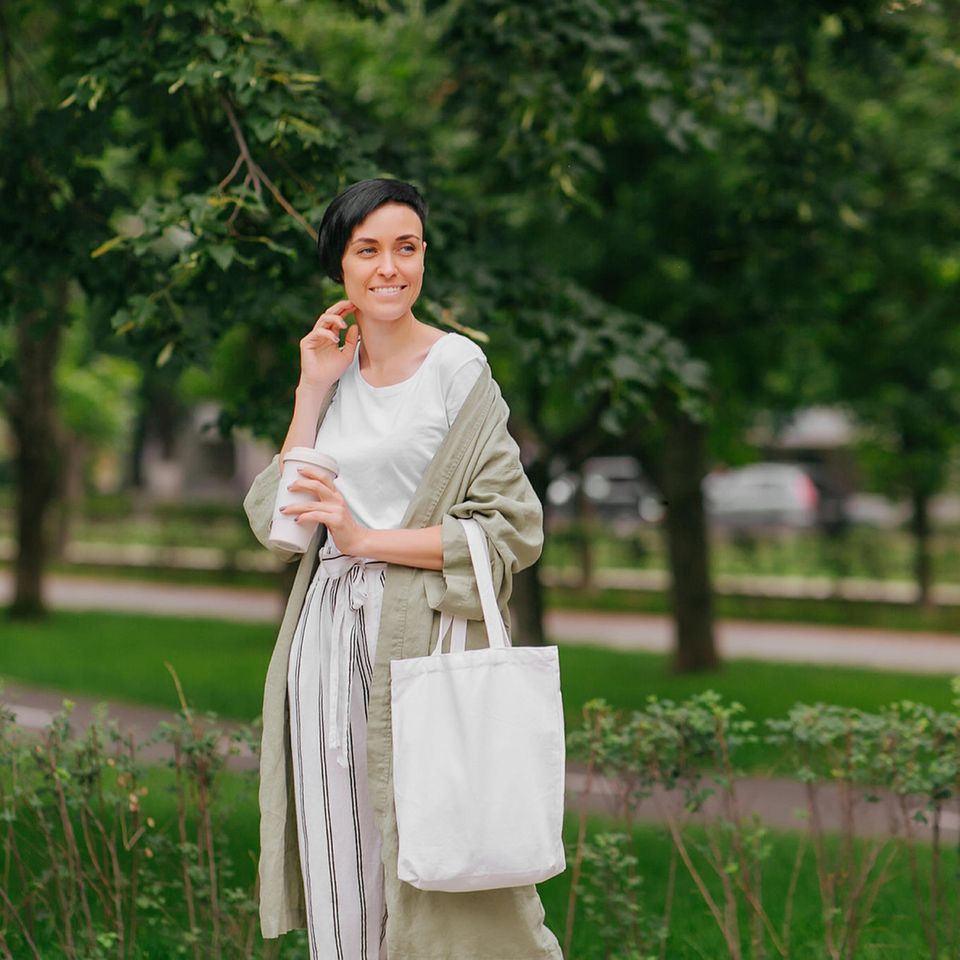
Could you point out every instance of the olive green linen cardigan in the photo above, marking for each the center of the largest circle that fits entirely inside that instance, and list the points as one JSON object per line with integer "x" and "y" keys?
{"x": 475, "y": 473}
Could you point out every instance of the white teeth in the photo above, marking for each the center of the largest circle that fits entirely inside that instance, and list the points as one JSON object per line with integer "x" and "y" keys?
{"x": 386, "y": 289}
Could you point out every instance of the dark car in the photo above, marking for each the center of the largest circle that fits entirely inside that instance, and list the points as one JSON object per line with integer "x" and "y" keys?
{"x": 615, "y": 489}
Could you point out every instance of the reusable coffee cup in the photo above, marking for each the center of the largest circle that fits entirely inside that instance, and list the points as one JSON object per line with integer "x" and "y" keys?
{"x": 285, "y": 532}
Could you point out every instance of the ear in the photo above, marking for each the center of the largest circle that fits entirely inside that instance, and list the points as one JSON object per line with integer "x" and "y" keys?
{"x": 424, "y": 247}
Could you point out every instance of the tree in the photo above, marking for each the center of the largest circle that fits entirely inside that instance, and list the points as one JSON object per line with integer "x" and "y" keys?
{"x": 201, "y": 117}
{"x": 184, "y": 251}
{"x": 892, "y": 342}
{"x": 708, "y": 165}
{"x": 52, "y": 204}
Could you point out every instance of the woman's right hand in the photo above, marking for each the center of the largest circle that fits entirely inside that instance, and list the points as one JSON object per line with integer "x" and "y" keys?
{"x": 322, "y": 360}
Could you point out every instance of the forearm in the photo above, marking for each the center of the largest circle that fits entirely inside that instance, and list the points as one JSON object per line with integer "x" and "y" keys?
{"x": 303, "y": 425}
{"x": 421, "y": 548}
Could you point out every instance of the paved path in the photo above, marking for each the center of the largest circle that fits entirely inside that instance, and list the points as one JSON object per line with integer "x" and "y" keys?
{"x": 776, "y": 801}
{"x": 800, "y": 643}
{"x": 902, "y": 650}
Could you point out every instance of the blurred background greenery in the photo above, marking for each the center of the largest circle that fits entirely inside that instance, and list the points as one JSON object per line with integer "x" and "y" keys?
{"x": 690, "y": 238}
{"x": 710, "y": 250}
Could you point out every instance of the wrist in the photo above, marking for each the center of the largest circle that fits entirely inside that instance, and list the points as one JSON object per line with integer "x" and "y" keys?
{"x": 364, "y": 544}
{"x": 309, "y": 392}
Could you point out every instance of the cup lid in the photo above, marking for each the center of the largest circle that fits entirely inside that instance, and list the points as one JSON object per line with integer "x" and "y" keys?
{"x": 313, "y": 457}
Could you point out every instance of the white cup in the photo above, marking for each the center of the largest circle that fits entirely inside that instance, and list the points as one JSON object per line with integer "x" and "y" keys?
{"x": 285, "y": 532}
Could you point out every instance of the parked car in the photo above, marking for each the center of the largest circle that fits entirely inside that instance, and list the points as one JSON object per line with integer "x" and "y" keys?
{"x": 615, "y": 489}
{"x": 762, "y": 495}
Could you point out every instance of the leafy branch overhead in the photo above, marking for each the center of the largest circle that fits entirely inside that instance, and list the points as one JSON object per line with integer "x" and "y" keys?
{"x": 229, "y": 141}
{"x": 558, "y": 71}
{"x": 236, "y": 147}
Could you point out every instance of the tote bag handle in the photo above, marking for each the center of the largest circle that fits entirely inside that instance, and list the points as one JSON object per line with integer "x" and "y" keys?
{"x": 497, "y": 637}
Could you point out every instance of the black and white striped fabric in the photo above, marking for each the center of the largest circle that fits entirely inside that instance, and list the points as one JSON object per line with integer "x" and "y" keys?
{"x": 340, "y": 846}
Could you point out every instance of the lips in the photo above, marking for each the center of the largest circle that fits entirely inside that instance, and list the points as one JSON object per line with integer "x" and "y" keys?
{"x": 386, "y": 291}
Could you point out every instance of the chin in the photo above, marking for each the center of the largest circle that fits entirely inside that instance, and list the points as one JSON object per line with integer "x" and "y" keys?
{"x": 385, "y": 313}
{"x": 388, "y": 311}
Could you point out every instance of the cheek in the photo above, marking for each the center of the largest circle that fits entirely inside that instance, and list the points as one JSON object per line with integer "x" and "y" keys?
{"x": 351, "y": 278}
{"x": 415, "y": 273}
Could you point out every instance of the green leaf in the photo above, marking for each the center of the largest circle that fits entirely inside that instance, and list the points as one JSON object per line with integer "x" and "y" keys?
{"x": 223, "y": 254}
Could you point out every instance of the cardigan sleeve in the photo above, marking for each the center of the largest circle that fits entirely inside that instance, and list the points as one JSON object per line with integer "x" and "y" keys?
{"x": 502, "y": 501}
{"x": 262, "y": 495}
{"x": 258, "y": 506}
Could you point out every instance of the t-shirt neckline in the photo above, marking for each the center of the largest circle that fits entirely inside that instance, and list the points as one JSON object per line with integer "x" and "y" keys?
{"x": 399, "y": 383}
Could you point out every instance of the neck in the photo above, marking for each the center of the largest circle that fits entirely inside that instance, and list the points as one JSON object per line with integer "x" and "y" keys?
{"x": 381, "y": 340}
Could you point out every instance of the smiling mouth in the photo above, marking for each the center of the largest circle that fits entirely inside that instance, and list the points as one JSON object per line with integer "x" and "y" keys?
{"x": 387, "y": 291}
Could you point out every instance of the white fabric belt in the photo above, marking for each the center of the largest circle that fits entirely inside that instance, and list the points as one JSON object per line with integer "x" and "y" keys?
{"x": 336, "y": 629}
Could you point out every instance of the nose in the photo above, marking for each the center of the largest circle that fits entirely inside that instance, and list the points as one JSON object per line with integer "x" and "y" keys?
{"x": 386, "y": 267}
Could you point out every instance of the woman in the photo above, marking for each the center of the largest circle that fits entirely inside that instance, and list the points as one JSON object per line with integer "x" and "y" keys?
{"x": 418, "y": 428}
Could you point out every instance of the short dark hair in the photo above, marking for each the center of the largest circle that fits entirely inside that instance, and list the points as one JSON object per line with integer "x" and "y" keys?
{"x": 352, "y": 206}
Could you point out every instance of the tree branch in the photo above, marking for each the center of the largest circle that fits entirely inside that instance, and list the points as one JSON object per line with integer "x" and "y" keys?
{"x": 279, "y": 197}
{"x": 232, "y": 173}
{"x": 256, "y": 172}
{"x": 244, "y": 149}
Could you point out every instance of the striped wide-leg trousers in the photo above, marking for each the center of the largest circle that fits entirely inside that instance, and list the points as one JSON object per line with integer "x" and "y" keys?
{"x": 340, "y": 846}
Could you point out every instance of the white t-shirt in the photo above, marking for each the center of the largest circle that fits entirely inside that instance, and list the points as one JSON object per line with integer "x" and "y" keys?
{"x": 383, "y": 438}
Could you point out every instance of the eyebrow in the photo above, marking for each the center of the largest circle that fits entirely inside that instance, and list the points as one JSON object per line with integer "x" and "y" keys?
{"x": 405, "y": 236}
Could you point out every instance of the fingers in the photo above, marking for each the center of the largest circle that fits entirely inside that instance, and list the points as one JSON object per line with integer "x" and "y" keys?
{"x": 334, "y": 315}
{"x": 297, "y": 510}
{"x": 342, "y": 307}
{"x": 318, "y": 484}
{"x": 321, "y": 333}
{"x": 329, "y": 324}
{"x": 331, "y": 515}
{"x": 319, "y": 477}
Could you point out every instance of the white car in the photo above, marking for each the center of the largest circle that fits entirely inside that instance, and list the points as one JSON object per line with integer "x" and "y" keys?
{"x": 762, "y": 495}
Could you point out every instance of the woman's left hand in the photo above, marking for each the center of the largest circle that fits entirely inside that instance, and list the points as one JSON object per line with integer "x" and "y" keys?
{"x": 329, "y": 508}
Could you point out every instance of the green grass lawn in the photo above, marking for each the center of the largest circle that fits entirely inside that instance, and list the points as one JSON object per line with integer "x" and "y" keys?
{"x": 222, "y": 667}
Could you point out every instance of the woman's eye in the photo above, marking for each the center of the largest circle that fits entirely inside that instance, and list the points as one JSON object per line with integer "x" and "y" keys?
{"x": 408, "y": 248}
{"x": 367, "y": 250}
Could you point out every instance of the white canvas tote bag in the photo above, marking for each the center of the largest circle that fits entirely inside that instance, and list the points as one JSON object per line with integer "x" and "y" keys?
{"x": 478, "y": 756}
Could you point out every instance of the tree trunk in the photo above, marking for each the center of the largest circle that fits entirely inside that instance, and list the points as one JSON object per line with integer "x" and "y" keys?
{"x": 683, "y": 466}
{"x": 922, "y": 562}
{"x": 583, "y": 530}
{"x": 32, "y": 412}
{"x": 526, "y": 602}
{"x": 526, "y": 608}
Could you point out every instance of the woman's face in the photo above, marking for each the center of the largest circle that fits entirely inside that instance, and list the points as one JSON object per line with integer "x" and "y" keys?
{"x": 383, "y": 263}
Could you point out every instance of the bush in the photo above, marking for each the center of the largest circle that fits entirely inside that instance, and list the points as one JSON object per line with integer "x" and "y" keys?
{"x": 95, "y": 866}
{"x": 681, "y": 755}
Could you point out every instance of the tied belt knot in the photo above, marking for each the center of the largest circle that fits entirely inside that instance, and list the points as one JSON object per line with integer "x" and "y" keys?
{"x": 338, "y": 624}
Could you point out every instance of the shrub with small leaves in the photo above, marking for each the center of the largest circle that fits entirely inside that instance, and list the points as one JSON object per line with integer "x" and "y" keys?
{"x": 609, "y": 890}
